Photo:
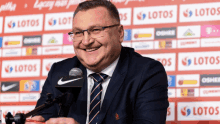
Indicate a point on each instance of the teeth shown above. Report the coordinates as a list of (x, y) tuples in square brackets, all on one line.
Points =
[(89, 50)]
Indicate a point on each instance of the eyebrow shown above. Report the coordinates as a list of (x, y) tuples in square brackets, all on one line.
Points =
[(76, 28)]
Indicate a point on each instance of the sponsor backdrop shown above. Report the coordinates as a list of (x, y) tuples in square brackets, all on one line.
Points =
[(184, 35)]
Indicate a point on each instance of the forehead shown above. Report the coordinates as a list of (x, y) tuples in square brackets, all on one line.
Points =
[(98, 16)]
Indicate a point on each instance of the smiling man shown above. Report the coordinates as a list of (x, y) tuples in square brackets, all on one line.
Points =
[(120, 85), (100, 45)]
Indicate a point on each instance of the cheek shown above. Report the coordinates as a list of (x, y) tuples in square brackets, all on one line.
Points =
[(76, 46), (110, 39)]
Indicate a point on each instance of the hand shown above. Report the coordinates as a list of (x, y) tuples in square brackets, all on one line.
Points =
[(61, 120), (36, 118)]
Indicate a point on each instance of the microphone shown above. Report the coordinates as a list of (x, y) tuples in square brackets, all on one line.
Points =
[(75, 72), (71, 86), (73, 81)]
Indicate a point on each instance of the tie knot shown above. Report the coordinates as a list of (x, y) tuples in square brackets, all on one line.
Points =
[(99, 77)]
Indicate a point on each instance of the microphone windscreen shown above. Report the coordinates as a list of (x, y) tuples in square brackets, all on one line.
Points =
[(75, 72)]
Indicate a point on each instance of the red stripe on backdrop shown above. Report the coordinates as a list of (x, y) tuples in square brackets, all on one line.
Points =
[(35, 6)]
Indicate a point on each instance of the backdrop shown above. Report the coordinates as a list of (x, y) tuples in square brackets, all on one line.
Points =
[(184, 35)]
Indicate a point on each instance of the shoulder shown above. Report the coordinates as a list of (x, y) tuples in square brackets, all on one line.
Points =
[(68, 61), (138, 60), (65, 65), (145, 71), (140, 67)]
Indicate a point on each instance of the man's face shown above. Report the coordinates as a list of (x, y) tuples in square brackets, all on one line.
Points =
[(96, 54)]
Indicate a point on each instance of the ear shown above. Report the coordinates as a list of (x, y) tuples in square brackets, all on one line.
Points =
[(121, 33)]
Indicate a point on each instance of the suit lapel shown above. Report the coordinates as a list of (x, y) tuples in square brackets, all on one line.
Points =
[(81, 110), (115, 83)]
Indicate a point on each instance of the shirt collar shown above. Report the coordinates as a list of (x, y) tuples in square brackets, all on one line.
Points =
[(108, 70)]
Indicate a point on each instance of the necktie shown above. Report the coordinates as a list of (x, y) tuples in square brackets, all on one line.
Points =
[(95, 97)]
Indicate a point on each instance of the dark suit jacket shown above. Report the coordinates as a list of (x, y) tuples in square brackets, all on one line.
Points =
[(136, 94)]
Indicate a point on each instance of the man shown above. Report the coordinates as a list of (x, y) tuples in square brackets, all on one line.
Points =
[(135, 88)]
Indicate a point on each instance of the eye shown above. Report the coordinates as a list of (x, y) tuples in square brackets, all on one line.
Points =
[(78, 33), (95, 30)]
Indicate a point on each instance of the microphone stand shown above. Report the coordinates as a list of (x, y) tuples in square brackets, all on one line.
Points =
[(20, 118), (67, 101)]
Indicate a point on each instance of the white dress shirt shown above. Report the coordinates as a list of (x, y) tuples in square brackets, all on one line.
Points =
[(108, 71)]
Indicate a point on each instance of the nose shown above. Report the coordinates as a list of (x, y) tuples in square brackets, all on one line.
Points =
[(86, 38)]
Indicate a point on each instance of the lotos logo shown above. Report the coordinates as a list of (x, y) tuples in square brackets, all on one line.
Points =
[(168, 111), (23, 23), (48, 66), (52, 22), (11, 24), (141, 16), (21, 68), (185, 111), (206, 110), (58, 21), (26, 68), (199, 12), (165, 61), (8, 69), (187, 13), (155, 15), (186, 61), (123, 16), (199, 60)]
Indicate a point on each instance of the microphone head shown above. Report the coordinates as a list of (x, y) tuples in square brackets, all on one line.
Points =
[(75, 72)]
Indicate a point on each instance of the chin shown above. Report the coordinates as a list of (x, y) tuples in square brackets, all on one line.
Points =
[(90, 64)]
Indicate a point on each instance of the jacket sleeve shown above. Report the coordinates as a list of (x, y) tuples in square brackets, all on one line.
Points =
[(47, 88), (152, 100)]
